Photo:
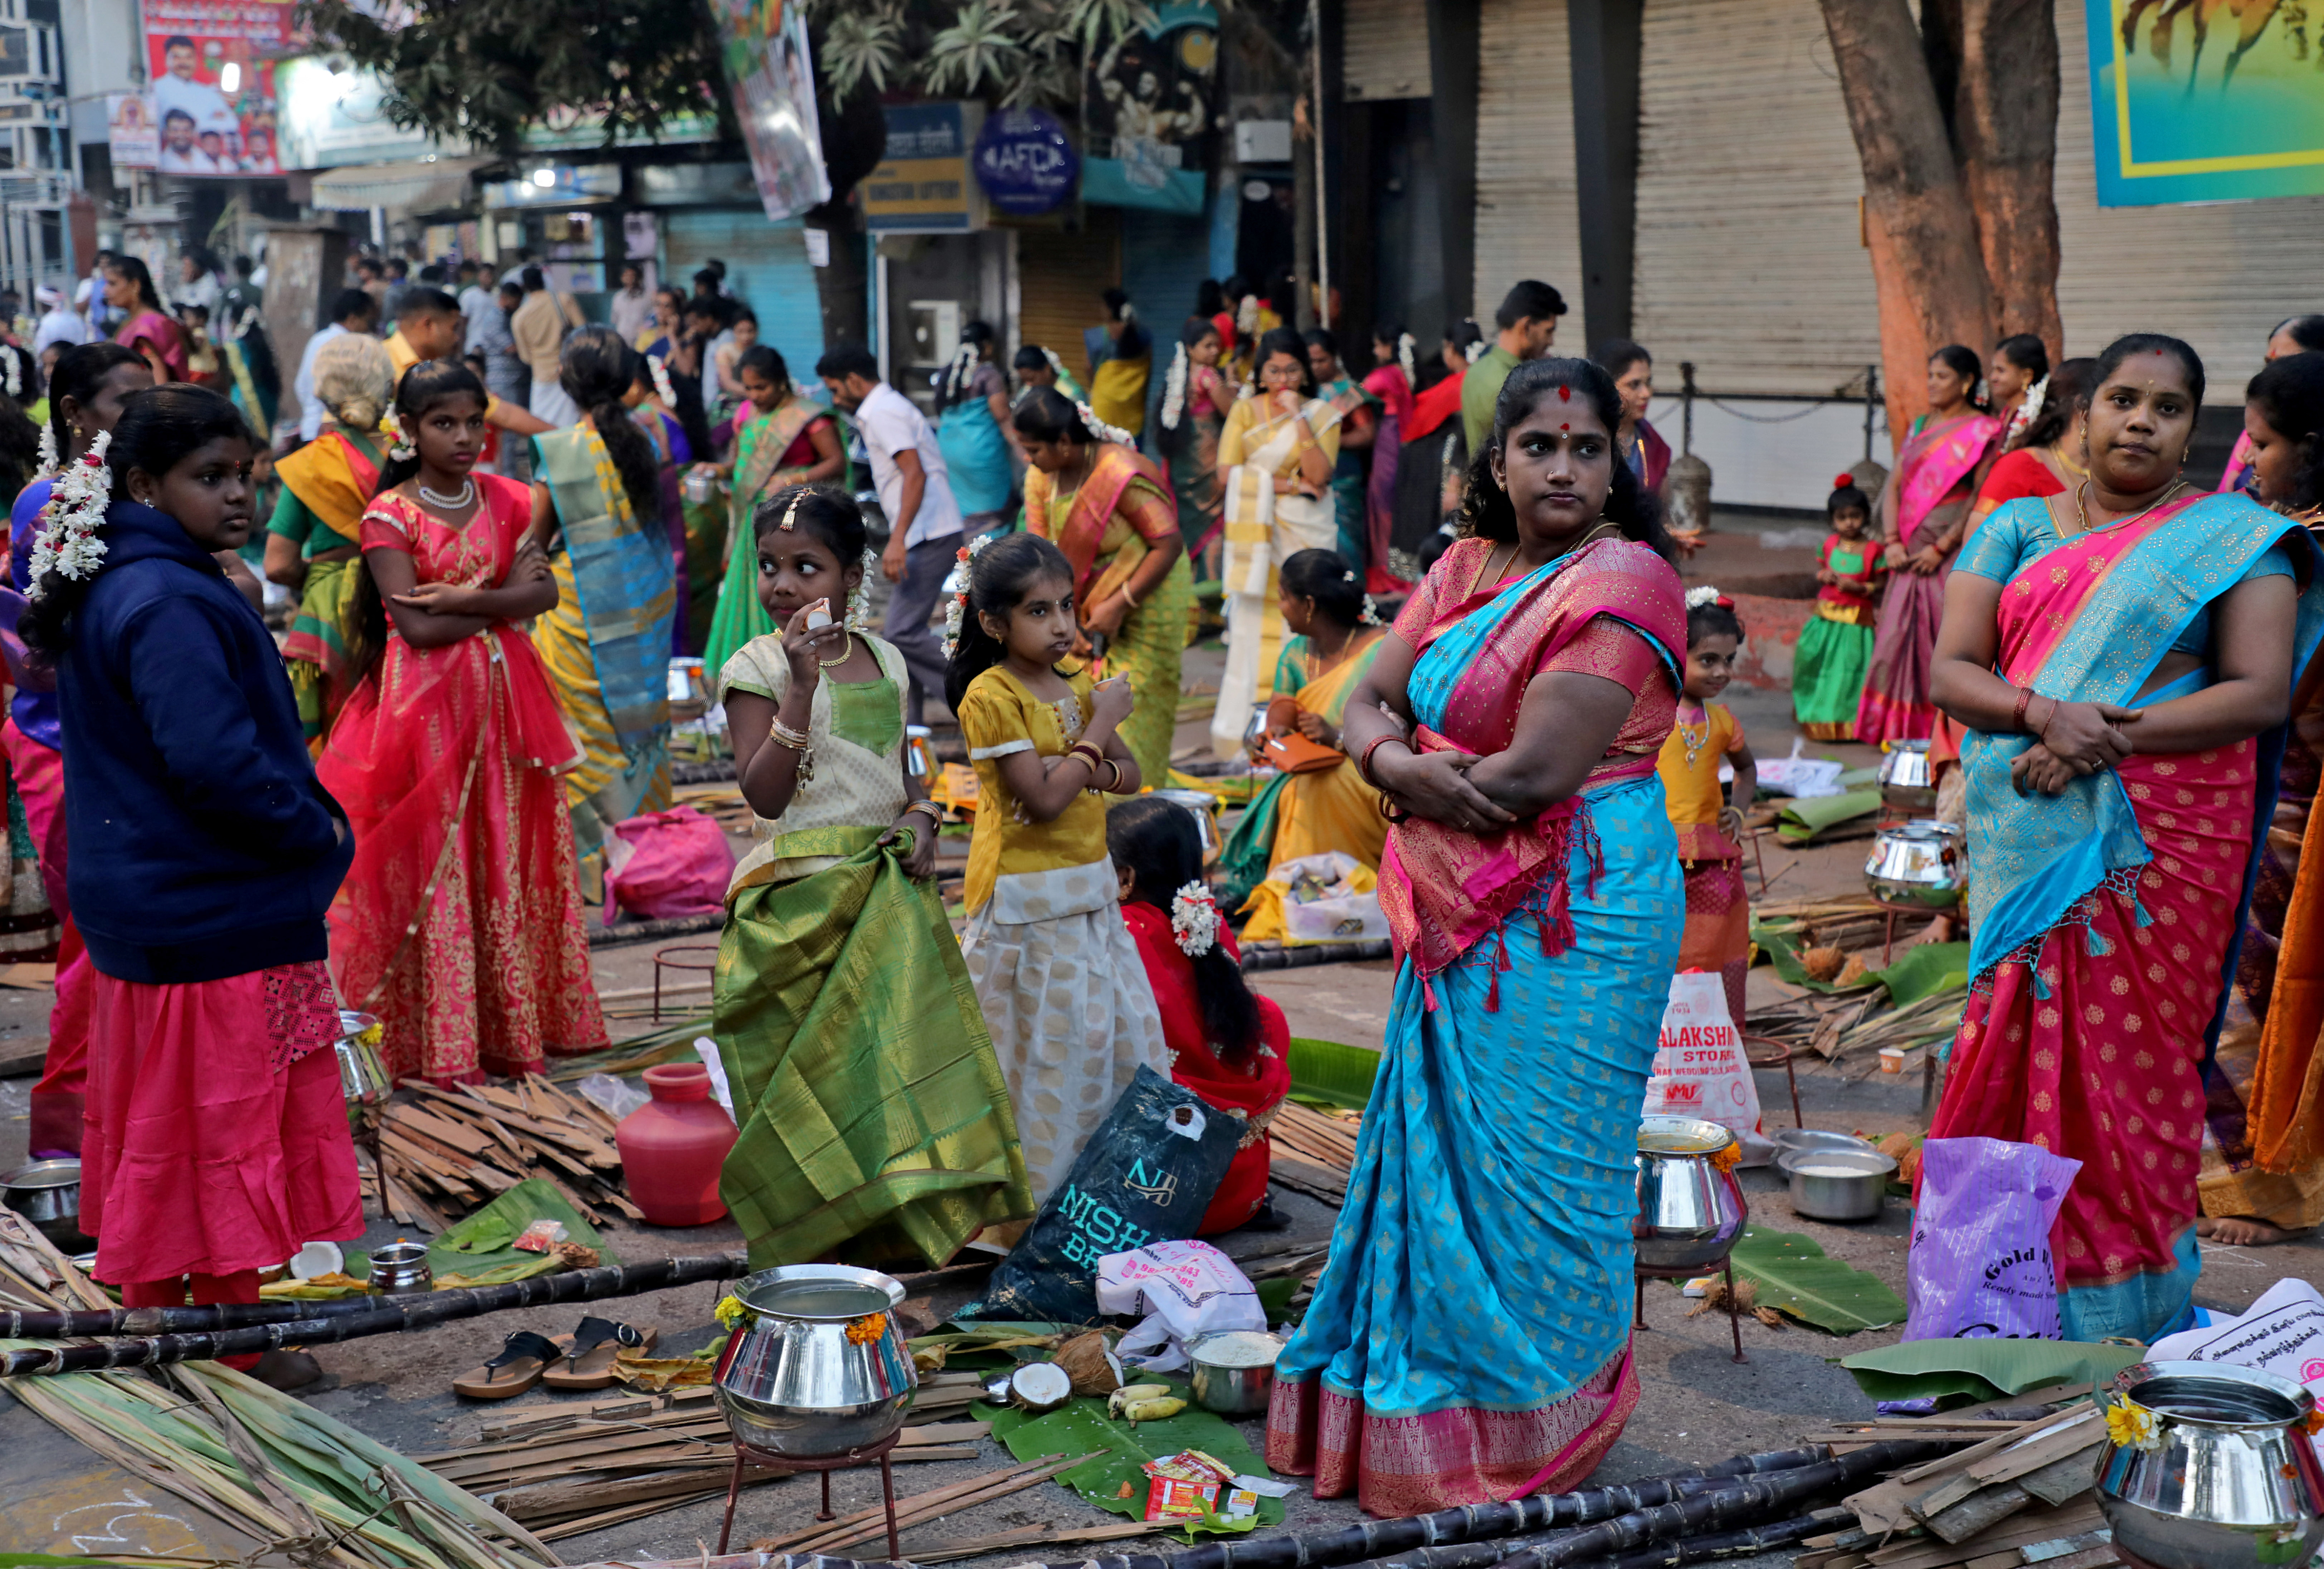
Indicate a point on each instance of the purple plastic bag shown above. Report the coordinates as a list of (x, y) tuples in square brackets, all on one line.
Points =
[(1980, 1266)]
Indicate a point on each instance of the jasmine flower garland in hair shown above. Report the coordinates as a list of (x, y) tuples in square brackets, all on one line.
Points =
[(1193, 919), (859, 599), (2027, 411), (964, 360), (1101, 430), (660, 374), (68, 546), (956, 613), (1404, 359), (1174, 389), (48, 462)]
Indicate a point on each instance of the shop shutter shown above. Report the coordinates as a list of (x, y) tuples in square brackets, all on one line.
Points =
[(1164, 257), (1526, 221), (2219, 275), (1750, 259), (1384, 49), (1059, 275), (766, 267)]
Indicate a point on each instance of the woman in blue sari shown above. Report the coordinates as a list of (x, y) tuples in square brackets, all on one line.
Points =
[(973, 400), (1531, 883), (2123, 655)]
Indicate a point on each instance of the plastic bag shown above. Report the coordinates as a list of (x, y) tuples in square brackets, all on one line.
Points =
[(1185, 1290), (2283, 1332), (677, 863), (1699, 1069), (1328, 897), (1801, 778), (1980, 1266), (1146, 1176)]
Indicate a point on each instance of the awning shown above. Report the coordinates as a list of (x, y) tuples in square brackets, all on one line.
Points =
[(421, 185)]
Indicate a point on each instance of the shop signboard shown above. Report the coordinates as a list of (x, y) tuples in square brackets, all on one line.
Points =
[(771, 74), (1149, 106), (2183, 112), (131, 135), (1025, 162), (212, 102), (923, 185)]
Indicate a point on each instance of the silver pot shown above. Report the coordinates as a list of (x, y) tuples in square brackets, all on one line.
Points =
[(1789, 1139), (400, 1267), (1907, 783), (1923, 863), (363, 1075), (47, 1192), (698, 487), (1690, 1211), (819, 1366), (2233, 1480), (1204, 808), (1837, 1184), (920, 755), (1234, 1371)]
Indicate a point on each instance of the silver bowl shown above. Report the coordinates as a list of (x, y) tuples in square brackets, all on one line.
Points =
[(1907, 783), (1234, 1370), (818, 1366), (2232, 1482), (400, 1267), (1788, 1138), (1922, 862), (1690, 1211), (47, 1192), (1837, 1184)]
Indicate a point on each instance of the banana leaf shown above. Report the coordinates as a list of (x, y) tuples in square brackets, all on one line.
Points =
[(1799, 822), (1796, 1277), (477, 1247), (1114, 1480), (1327, 1073), (1983, 1370)]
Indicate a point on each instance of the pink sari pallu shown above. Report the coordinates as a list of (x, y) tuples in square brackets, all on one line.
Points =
[(1932, 467)]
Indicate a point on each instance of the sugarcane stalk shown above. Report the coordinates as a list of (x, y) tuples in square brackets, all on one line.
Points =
[(1690, 1550), (198, 1334)]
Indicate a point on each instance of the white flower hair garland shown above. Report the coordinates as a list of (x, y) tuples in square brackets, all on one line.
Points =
[(1247, 315), (1371, 615), (1057, 366), (68, 546), (660, 374), (1404, 348), (1174, 389), (1101, 430), (15, 369), (1194, 919), (1696, 598), (1475, 351), (48, 464), (964, 361), (399, 445), (2027, 411), (956, 613)]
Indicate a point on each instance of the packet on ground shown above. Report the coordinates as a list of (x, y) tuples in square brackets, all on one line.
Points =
[(1190, 1484), (2282, 1333)]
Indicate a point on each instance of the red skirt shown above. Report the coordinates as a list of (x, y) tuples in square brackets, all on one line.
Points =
[(197, 1155)]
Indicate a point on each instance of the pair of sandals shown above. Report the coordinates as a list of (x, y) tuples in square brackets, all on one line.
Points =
[(582, 1360)]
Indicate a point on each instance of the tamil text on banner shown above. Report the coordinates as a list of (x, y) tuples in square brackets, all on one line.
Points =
[(2204, 102), (764, 46), (131, 135), (212, 65), (1148, 106), (922, 186)]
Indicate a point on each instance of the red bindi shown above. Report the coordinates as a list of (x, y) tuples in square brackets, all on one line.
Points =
[(1564, 393), (1565, 426)]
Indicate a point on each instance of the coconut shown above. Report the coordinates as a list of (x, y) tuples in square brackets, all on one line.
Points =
[(1852, 973), (317, 1259), (1087, 1360), (1823, 963), (1040, 1386)]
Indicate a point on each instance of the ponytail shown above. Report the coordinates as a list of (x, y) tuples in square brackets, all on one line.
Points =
[(597, 369)]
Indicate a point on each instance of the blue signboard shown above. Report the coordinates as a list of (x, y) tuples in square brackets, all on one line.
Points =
[(1024, 161)]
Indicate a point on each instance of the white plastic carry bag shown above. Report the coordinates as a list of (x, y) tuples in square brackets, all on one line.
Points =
[(1699, 1069)]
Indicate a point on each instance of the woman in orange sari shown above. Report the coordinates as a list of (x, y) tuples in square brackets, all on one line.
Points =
[(460, 924), (2124, 656), (1110, 510), (1923, 511)]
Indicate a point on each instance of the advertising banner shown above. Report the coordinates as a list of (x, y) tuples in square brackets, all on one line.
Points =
[(771, 74), (131, 135), (212, 66), (1148, 106), (2201, 102), (1025, 162), (922, 185)]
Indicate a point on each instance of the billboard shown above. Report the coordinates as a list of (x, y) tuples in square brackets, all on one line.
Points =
[(922, 186), (211, 63), (1149, 109), (2201, 102), (764, 46), (130, 134)]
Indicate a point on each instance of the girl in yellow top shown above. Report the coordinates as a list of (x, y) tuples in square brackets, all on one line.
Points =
[(1718, 936), (1062, 985)]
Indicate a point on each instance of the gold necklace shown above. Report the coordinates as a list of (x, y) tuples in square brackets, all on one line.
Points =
[(846, 652), (2083, 519), (1694, 740)]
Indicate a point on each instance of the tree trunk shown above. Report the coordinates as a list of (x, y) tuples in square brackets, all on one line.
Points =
[(2005, 126), (1922, 230), (844, 289)]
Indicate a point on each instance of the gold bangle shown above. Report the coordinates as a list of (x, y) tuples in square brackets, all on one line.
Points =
[(783, 734), (934, 813)]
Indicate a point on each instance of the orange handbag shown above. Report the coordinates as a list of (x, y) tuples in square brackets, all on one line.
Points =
[(1293, 752)]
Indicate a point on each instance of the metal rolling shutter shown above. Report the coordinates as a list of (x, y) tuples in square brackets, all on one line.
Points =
[(1750, 259), (1164, 257), (1059, 275), (2219, 275), (766, 267), (1527, 220), (1384, 49)]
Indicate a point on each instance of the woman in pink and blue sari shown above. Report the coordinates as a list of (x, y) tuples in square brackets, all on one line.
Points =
[(1924, 513), (2122, 656), (1531, 883)]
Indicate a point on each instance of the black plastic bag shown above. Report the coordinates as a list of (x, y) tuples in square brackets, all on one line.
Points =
[(1146, 1176)]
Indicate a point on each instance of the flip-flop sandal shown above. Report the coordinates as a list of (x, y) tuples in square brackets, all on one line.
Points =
[(595, 1345), (517, 1369)]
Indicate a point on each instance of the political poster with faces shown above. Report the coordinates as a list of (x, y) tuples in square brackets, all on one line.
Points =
[(211, 64)]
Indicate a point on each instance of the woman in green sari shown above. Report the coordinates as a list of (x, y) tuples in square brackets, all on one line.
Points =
[(876, 1125), (1351, 468), (784, 441)]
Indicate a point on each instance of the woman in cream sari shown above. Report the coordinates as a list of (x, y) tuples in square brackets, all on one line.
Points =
[(1110, 510), (1276, 454)]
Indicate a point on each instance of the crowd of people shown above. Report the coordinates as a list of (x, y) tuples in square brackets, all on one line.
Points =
[(400, 808)]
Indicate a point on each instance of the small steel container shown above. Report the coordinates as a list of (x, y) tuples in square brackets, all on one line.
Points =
[(1907, 784), (1690, 1211), (921, 755), (699, 487), (363, 1075), (2227, 1478), (1837, 1184), (400, 1267), (47, 1192), (1205, 806), (1923, 863), (1789, 1139), (819, 1366), (1234, 1370)]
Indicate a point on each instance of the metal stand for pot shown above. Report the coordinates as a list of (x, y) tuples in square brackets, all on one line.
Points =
[(791, 1465), (1726, 1262)]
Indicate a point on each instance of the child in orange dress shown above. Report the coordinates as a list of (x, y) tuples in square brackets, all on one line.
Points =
[(1718, 936)]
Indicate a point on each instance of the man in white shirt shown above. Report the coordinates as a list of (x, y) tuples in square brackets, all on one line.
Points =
[(924, 521), (59, 323), (631, 307), (475, 300), (352, 311)]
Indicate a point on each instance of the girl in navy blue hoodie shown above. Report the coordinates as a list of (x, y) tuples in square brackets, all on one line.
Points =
[(214, 1142)]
